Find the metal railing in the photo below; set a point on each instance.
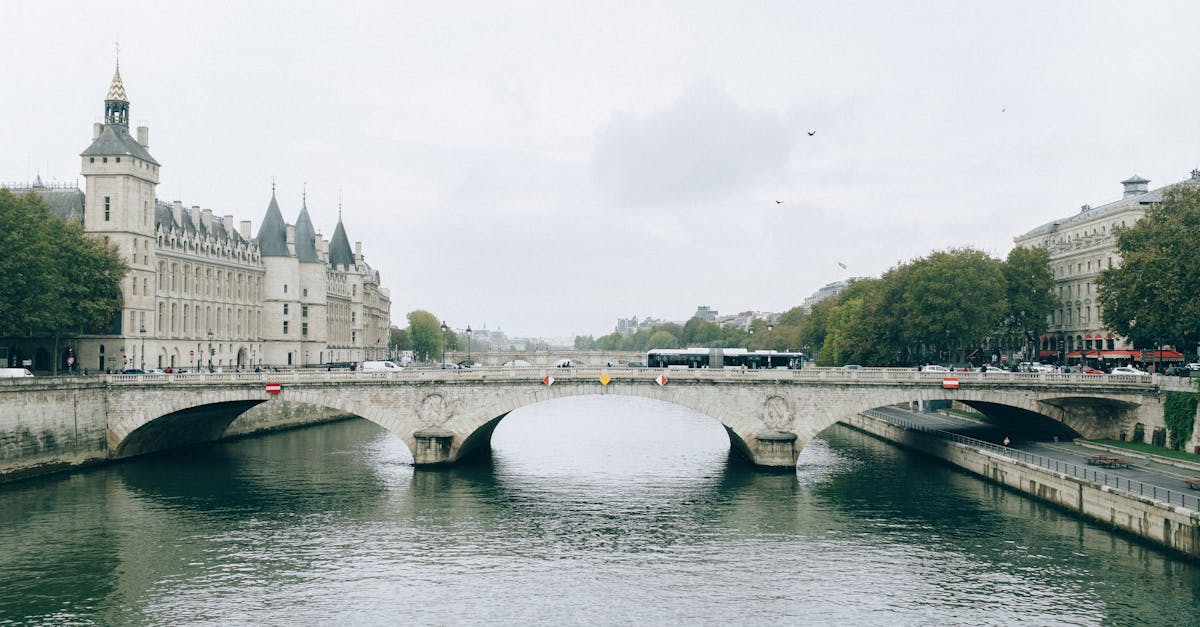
(1101, 477)
(870, 376)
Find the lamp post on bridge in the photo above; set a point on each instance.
(469, 362)
(142, 331)
(770, 327)
(211, 352)
(445, 329)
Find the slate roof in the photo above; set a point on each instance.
(164, 216)
(116, 140)
(272, 234)
(65, 202)
(306, 236)
(339, 248)
(1146, 198)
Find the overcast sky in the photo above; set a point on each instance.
(548, 167)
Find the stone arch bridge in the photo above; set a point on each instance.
(447, 416)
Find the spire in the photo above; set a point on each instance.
(339, 247)
(116, 103)
(272, 234)
(306, 235)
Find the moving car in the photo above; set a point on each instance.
(1129, 370)
(934, 368)
(9, 373)
(852, 367)
(380, 366)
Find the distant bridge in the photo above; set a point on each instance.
(447, 416)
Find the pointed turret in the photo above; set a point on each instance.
(272, 234)
(306, 235)
(339, 247)
(116, 104)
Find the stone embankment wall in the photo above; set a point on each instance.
(281, 414)
(1174, 527)
(44, 429)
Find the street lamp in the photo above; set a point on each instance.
(211, 352)
(142, 330)
(750, 342)
(770, 327)
(469, 345)
(445, 329)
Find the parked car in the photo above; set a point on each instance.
(1177, 371)
(1129, 370)
(6, 373)
(935, 368)
(1091, 370)
(636, 364)
(1195, 366)
(445, 366)
(133, 371)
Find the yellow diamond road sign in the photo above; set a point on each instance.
(604, 379)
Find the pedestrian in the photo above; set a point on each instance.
(1006, 441)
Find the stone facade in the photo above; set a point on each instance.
(201, 293)
(1081, 246)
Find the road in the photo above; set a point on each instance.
(1152, 473)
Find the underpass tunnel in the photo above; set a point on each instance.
(1001, 421)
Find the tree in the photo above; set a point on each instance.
(662, 339)
(1150, 297)
(426, 334)
(58, 280)
(953, 299)
(399, 339)
(1030, 293)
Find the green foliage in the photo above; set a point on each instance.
(1149, 297)
(399, 339)
(426, 334)
(58, 280)
(1030, 293)
(1179, 412)
(662, 339)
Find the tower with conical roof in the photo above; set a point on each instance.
(121, 181)
(314, 280)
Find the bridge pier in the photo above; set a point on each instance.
(432, 447)
(776, 450)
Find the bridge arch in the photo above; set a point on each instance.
(444, 418)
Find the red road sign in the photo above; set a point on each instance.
(548, 380)
(661, 379)
(274, 388)
(950, 383)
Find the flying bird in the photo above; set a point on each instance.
(811, 133)
(842, 265)
(779, 202)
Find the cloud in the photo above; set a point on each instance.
(703, 146)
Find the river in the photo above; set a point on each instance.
(592, 510)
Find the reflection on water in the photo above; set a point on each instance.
(591, 510)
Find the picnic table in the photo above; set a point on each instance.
(1109, 461)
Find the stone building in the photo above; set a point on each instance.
(1081, 246)
(201, 292)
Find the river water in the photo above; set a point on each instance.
(594, 510)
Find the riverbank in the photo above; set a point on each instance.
(1173, 527)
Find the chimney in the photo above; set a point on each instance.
(1135, 185)
(96, 128)
(177, 213)
(357, 249)
(144, 136)
(195, 214)
(206, 219)
(322, 247)
(245, 229)
(228, 222)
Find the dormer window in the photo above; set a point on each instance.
(118, 159)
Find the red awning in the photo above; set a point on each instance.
(1073, 354)
(1047, 353)
(1165, 355)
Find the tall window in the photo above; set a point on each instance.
(285, 325)
(303, 311)
(304, 329)
(107, 208)
(285, 309)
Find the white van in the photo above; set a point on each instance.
(380, 366)
(8, 373)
